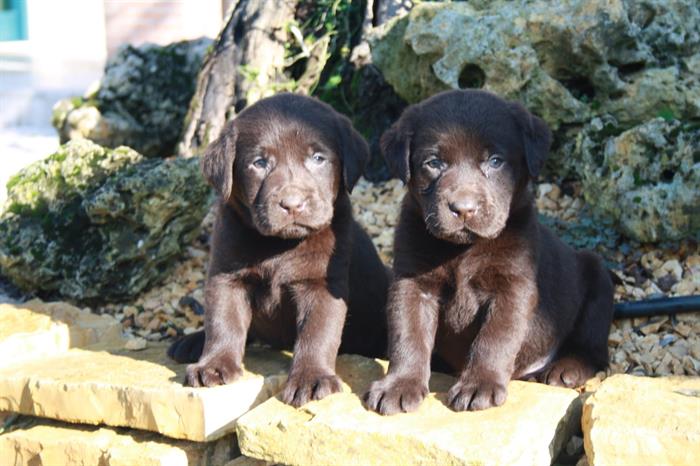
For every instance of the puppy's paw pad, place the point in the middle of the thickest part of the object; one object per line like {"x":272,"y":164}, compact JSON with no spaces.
{"x":213,"y":371}
{"x":395,"y":395}
{"x":306,"y":386}
{"x":475,"y":395}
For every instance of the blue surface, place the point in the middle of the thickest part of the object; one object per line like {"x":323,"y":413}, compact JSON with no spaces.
{"x":13,"y":20}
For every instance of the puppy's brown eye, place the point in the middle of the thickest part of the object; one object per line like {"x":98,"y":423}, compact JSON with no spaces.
{"x":435,"y":164}
{"x":260,"y":163}
{"x":496,"y":161}
{"x":318,"y":158}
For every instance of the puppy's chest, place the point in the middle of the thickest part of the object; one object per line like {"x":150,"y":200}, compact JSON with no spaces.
{"x":271,"y":282}
{"x":467,"y":290}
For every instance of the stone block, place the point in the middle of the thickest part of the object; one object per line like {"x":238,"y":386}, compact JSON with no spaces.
{"x":141,"y":390}
{"x":643,"y":420}
{"x":531,"y":428}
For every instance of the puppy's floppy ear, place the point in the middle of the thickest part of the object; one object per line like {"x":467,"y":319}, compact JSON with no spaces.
{"x":353,"y":151}
{"x":536,"y":138}
{"x":217,"y":161}
{"x":396,"y":146}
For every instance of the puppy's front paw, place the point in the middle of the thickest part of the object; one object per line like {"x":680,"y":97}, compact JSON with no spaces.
{"x":393,"y":395}
{"x":475,"y":394}
{"x":307,"y":385}
{"x":214,"y":369}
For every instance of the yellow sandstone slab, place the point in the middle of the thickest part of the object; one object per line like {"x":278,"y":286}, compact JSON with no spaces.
{"x":141,"y":390}
{"x":36,"y":329}
{"x":25,"y":334}
{"x":41,"y":442}
{"x":643,"y":420}
{"x":530,"y":429}
{"x":86,"y":329}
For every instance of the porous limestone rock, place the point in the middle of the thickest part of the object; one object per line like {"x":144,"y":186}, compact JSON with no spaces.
{"x":141,"y":101}
{"x":658,"y":92}
{"x":670,"y":28}
{"x":41,"y":442}
{"x":97,"y":224}
{"x":563,"y":60}
{"x":35,"y":330}
{"x":531,"y":428}
{"x":647,"y":179}
{"x":141,"y":390}
{"x":529,"y":51}
{"x":643,"y":420}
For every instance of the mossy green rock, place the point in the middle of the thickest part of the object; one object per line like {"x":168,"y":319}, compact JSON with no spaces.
{"x":646,"y":178}
{"x":141,"y":101}
{"x":97,"y":224}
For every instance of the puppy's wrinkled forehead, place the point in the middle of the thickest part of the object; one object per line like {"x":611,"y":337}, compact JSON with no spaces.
{"x":285,"y":126}
{"x":475,"y":125}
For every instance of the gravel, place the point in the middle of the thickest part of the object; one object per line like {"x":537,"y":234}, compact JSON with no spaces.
{"x":653,"y":346}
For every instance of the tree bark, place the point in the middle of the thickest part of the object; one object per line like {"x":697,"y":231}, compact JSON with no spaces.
{"x":246,"y":63}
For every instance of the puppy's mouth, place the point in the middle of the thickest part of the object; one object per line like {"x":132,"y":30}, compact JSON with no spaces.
{"x":447,"y":228}
{"x":458,"y":236}
{"x":293,"y":229}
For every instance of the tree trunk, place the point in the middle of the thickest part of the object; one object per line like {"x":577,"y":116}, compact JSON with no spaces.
{"x":246,"y":64}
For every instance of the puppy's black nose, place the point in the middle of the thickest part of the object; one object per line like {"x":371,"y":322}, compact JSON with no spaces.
{"x":464,"y":207}
{"x":293,"y":204}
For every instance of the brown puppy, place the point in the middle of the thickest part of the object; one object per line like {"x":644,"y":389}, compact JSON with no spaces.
{"x":287,"y":258}
{"x":477,"y":278}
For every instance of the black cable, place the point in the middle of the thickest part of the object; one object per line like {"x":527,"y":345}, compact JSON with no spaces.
{"x":657,"y":306}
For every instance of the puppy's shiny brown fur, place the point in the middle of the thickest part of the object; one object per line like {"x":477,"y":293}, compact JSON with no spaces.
{"x":478,"y":280}
{"x":287,"y":259}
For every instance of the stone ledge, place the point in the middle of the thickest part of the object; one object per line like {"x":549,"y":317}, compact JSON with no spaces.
{"x":141,"y":390}
{"x":86,"y":328}
{"x":36,"y":329}
{"x":25,"y":334}
{"x":643,"y":420}
{"x":42,"y":442}
{"x":531,"y":428}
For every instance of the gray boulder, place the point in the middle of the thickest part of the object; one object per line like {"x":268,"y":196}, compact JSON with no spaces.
{"x":647,"y":178}
{"x":141,"y":101}
{"x":564,"y":60}
{"x":95,"y":224}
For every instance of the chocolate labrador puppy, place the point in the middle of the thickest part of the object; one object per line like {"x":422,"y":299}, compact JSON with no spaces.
{"x":288,"y":261}
{"x":478,"y":280}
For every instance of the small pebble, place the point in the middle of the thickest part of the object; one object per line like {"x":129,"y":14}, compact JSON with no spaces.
{"x":136,"y":344}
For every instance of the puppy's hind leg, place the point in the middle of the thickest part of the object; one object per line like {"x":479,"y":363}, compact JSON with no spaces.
{"x":585,"y":350}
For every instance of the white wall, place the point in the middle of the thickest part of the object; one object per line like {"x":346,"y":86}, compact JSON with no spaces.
{"x":64,"y":53}
{"x":160,"y":21}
